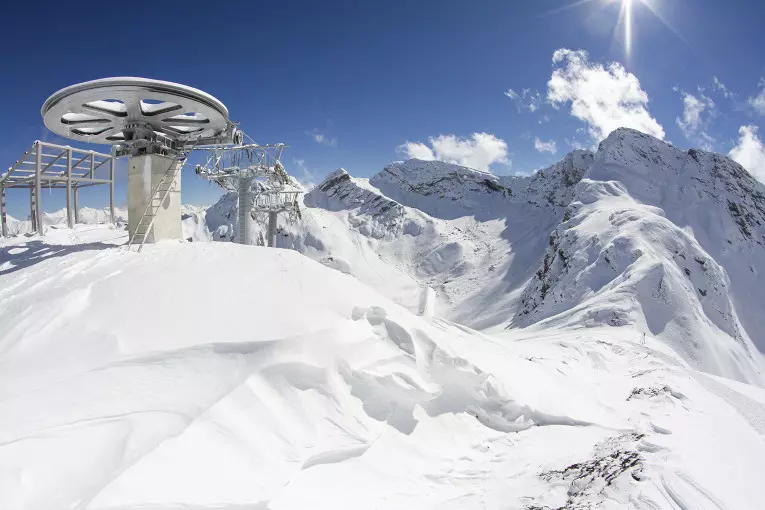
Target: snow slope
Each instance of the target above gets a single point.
(213, 375)
(638, 234)
(651, 240)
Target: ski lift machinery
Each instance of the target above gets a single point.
(256, 174)
(157, 125)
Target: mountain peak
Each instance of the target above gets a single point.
(419, 172)
(333, 179)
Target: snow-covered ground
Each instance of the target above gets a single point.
(211, 375)
(618, 297)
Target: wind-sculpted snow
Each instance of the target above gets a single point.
(146, 379)
(212, 375)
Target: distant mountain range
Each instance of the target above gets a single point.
(638, 233)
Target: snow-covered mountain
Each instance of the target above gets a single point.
(637, 234)
(87, 216)
(594, 345)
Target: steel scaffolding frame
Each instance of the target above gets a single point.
(236, 167)
(55, 166)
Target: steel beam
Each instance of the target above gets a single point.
(32, 207)
(86, 156)
(17, 163)
(99, 165)
(3, 219)
(38, 188)
(51, 180)
(51, 163)
(76, 206)
(272, 217)
(111, 190)
(63, 147)
(69, 188)
(244, 219)
(57, 165)
(80, 179)
(63, 178)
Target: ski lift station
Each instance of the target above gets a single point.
(156, 125)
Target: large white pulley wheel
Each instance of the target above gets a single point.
(119, 110)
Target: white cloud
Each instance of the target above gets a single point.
(480, 151)
(758, 102)
(526, 100)
(308, 177)
(575, 144)
(541, 146)
(693, 123)
(750, 152)
(513, 95)
(321, 138)
(417, 150)
(606, 98)
(718, 85)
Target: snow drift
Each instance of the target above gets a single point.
(267, 391)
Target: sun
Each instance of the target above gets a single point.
(626, 20)
(626, 15)
(625, 23)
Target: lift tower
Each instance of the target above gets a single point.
(156, 124)
(256, 174)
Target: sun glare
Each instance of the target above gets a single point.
(627, 7)
(625, 22)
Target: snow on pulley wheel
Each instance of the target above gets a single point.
(116, 110)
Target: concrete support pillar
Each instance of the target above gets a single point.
(272, 217)
(145, 173)
(245, 208)
(76, 205)
(3, 219)
(38, 209)
(69, 222)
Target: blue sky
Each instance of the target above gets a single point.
(348, 84)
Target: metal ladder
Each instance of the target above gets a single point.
(158, 195)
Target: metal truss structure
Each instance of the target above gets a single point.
(256, 173)
(47, 165)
